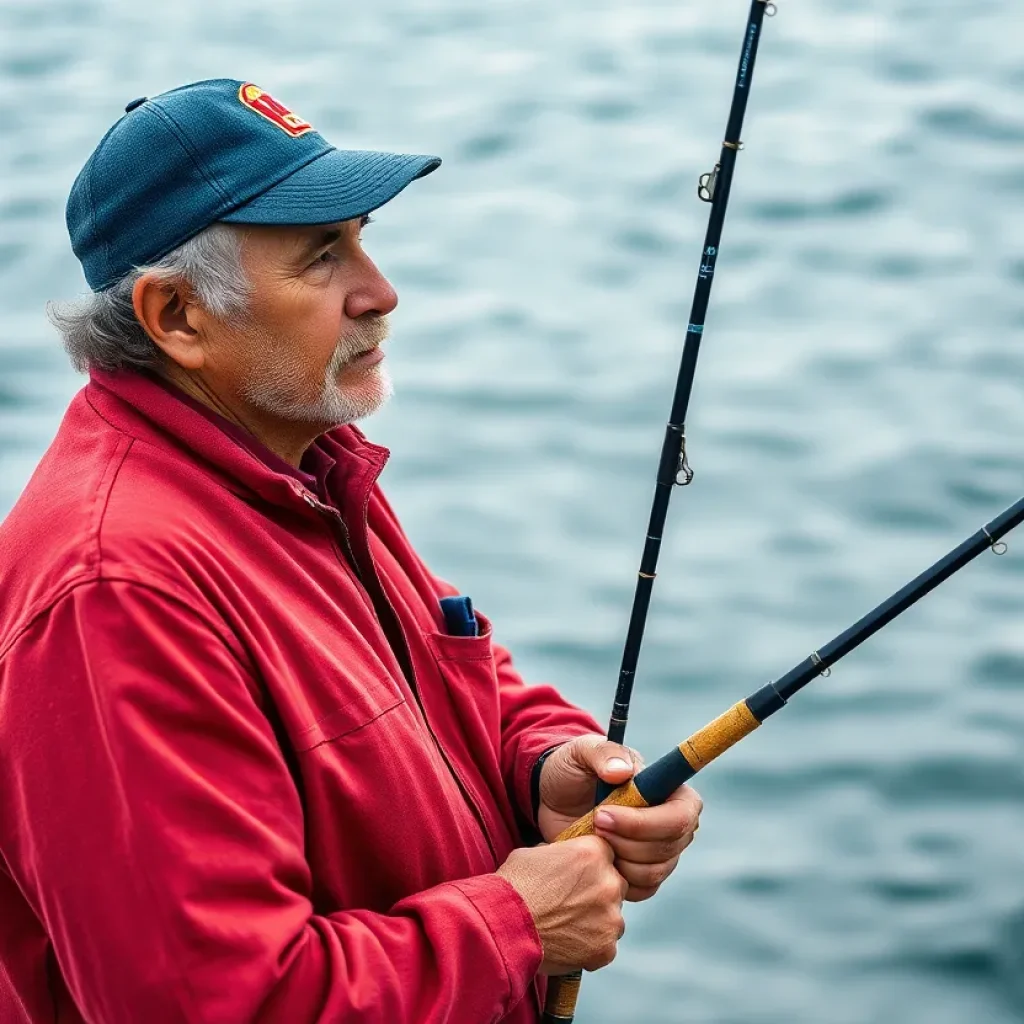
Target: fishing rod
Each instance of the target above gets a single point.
(674, 466)
(655, 784)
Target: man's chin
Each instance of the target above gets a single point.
(343, 399)
(358, 402)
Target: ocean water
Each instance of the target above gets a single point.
(859, 409)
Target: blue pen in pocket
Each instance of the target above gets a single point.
(458, 614)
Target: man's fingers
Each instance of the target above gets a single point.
(645, 876)
(655, 851)
(638, 894)
(648, 841)
(668, 822)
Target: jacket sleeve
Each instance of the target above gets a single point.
(149, 819)
(533, 719)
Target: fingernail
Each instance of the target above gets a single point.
(616, 764)
(604, 820)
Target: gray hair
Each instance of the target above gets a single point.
(102, 332)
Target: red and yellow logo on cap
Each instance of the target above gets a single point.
(277, 113)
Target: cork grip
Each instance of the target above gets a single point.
(718, 736)
(625, 796)
(562, 995)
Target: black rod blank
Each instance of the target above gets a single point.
(673, 467)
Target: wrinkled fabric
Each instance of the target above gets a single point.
(244, 773)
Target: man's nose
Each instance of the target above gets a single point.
(373, 294)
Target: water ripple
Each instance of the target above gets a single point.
(858, 410)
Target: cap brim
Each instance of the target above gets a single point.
(340, 185)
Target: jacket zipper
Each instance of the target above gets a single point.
(403, 656)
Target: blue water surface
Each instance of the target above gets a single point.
(859, 410)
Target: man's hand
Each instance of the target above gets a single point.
(647, 841)
(575, 897)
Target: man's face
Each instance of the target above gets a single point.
(307, 349)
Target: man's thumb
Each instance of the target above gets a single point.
(609, 761)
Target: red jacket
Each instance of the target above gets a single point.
(245, 775)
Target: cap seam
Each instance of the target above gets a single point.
(227, 196)
(179, 133)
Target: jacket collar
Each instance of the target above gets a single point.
(143, 408)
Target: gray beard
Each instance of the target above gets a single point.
(274, 392)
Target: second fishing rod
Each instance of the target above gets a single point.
(674, 467)
(655, 783)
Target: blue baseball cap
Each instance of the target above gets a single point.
(219, 150)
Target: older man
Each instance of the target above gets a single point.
(257, 763)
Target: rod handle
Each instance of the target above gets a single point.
(625, 796)
(665, 776)
(718, 736)
(659, 781)
(560, 1007)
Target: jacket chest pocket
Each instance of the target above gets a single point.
(466, 664)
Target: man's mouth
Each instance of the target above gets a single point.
(368, 357)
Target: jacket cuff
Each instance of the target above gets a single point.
(535, 774)
(510, 923)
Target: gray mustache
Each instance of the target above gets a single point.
(363, 337)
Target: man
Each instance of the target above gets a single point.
(254, 765)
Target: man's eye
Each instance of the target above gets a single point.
(325, 257)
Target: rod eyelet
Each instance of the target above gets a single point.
(824, 670)
(707, 185)
(999, 547)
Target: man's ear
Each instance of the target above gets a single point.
(169, 316)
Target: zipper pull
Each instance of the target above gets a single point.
(329, 510)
